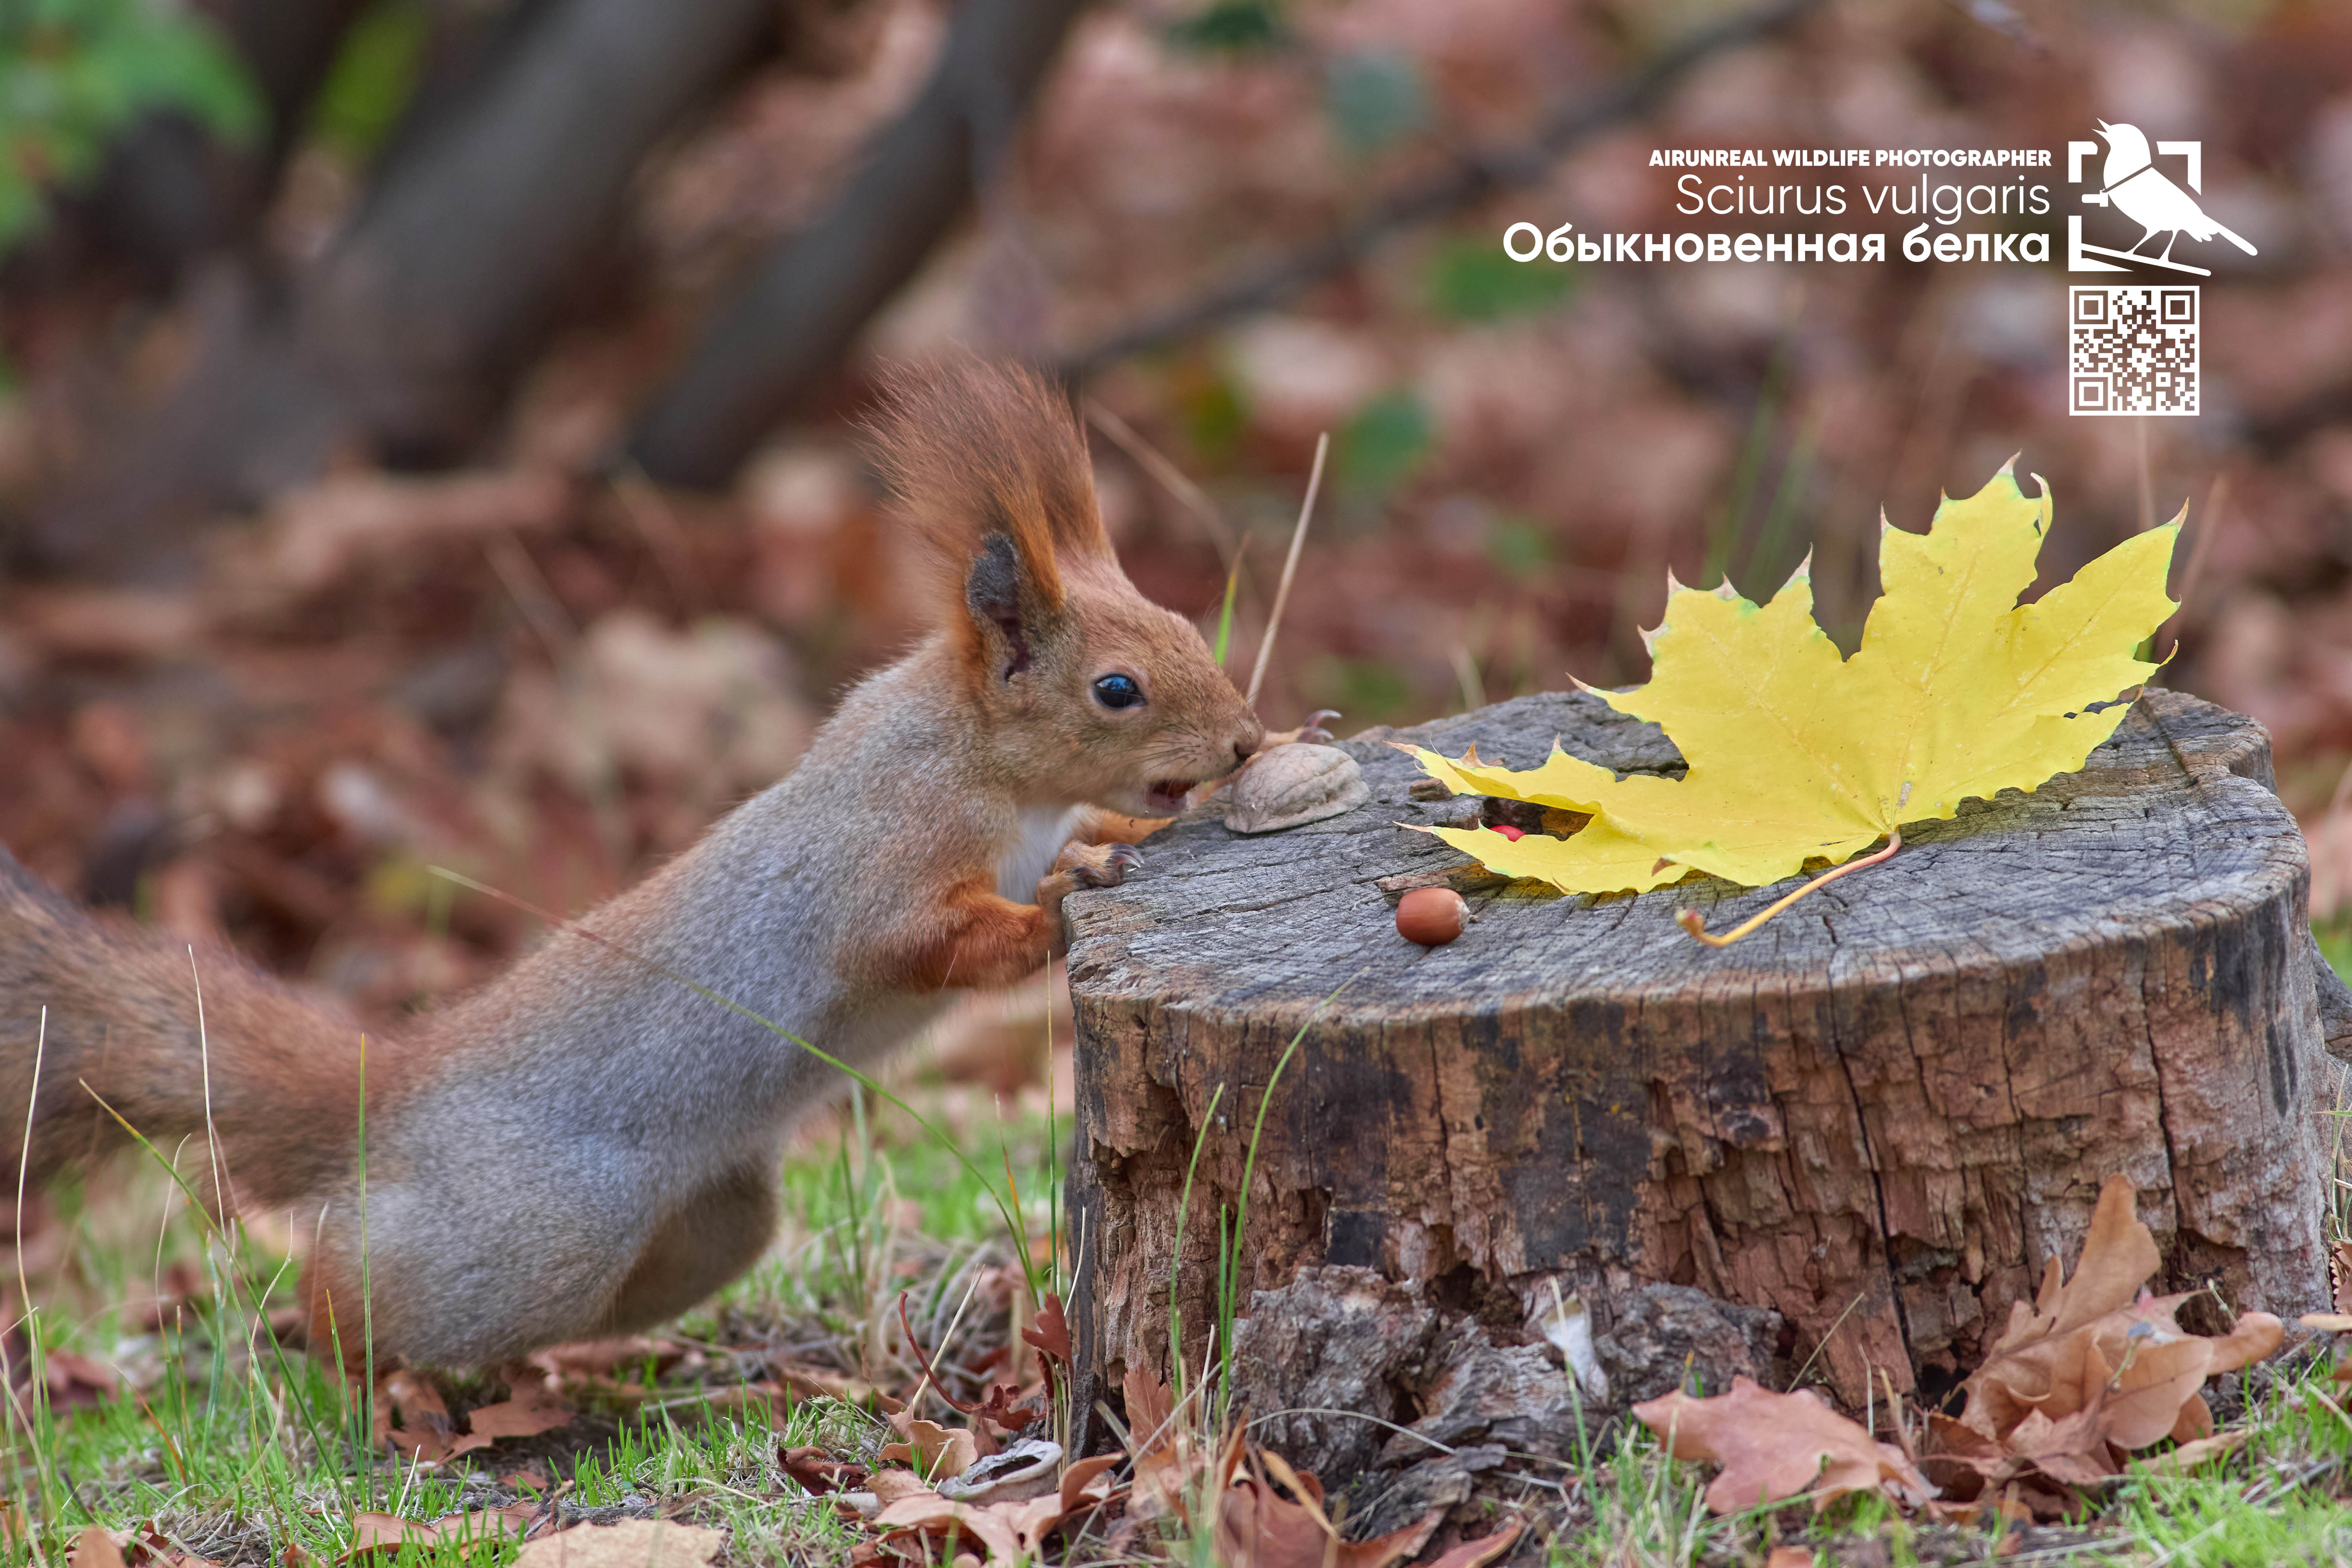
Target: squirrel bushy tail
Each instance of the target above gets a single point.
(122, 1026)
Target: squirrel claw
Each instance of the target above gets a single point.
(1103, 866)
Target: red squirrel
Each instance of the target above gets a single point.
(587, 1146)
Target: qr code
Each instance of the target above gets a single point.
(2131, 351)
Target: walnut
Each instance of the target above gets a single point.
(1291, 784)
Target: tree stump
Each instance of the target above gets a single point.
(1879, 1116)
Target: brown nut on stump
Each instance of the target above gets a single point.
(1431, 916)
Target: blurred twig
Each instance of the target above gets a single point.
(649, 509)
(1289, 569)
(1474, 176)
(2208, 528)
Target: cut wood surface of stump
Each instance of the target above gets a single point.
(1880, 1116)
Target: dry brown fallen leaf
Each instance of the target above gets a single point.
(2044, 1361)
(2089, 1371)
(2189, 1456)
(142, 1546)
(425, 1429)
(603, 1361)
(531, 1411)
(384, 1533)
(2118, 1254)
(627, 1543)
(1050, 1334)
(819, 1472)
(1478, 1553)
(1790, 1557)
(94, 1548)
(1777, 1446)
(1011, 1532)
(936, 1451)
(427, 1432)
(1261, 1528)
(992, 1525)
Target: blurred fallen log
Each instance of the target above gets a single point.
(1474, 176)
(403, 337)
(769, 347)
(172, 193)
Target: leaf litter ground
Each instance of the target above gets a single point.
(763, 1430)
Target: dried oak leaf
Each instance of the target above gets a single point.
(626, 1543)
(936, 1451)
(1025, 1523)
(601, 1363)
(999, 1410)
(1478, 1553)
(1796, 753)
(75, 1380)
(1086, 1483)
(1164, 1453)
(2093, 1340)
(820, 1472)
(94, 1548)
(148, 1547)
(990, 1524)
(1777, 1446)
(1050, 1334)
(530, 1411)
(386, 1534)
(1259, 1527)
(424, 1430)
(2204, 1450)
(429, 1432)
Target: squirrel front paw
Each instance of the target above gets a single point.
(1098, 865)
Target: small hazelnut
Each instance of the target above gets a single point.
(1431, 916)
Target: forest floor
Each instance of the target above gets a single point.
(166, 1425)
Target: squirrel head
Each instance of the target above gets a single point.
(1085, 690)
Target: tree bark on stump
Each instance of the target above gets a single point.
(1879, 1116)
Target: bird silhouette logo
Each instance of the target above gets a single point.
(2130, 183)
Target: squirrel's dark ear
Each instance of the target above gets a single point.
(1004, 600)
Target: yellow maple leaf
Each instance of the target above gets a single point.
(1796, 754)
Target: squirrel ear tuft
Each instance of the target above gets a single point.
(976, 453)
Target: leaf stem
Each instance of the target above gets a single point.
(1694, 922)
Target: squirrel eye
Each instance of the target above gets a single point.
(1118, 691)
